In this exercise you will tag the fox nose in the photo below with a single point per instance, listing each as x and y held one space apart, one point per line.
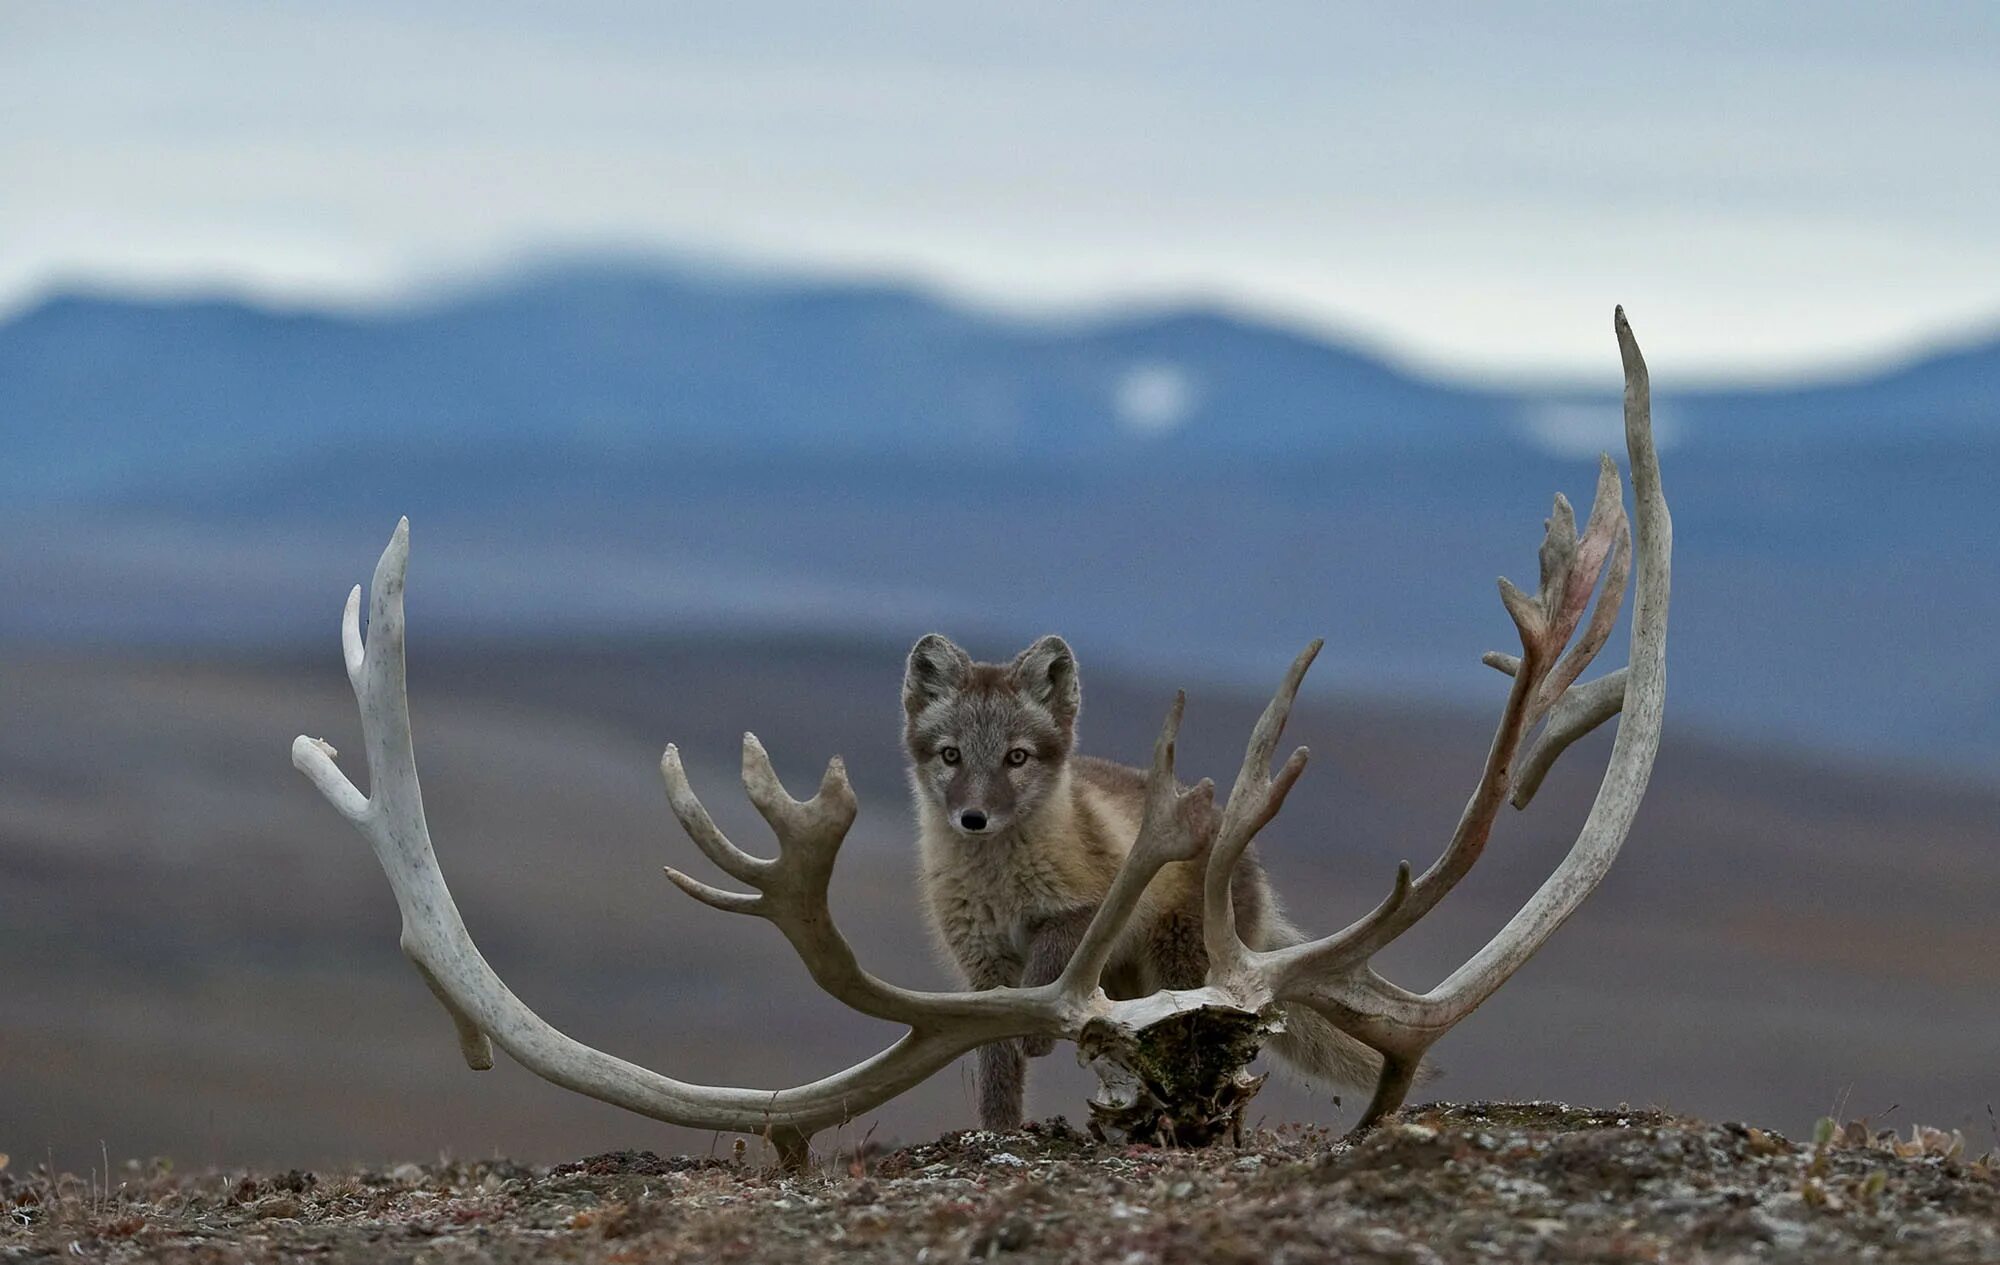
971 819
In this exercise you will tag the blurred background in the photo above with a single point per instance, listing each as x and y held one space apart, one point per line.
718 351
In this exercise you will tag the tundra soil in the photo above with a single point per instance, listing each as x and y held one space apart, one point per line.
1528 1182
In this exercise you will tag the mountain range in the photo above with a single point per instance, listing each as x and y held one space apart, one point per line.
614 445
108 396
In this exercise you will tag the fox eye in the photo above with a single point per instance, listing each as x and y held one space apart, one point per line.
948 754
1018 756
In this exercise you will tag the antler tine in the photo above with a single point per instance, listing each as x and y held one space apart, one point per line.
314 758
1399 893
1526 612
1573 712
351 649
835 790
811 829
382 673
701 828
1270 728
1570 565
1176 825
1179 830
1578 711
1161 785
385 596
809 835
1605 549
715 897
1253 801
1257 794
1589 550
1558 548
767 792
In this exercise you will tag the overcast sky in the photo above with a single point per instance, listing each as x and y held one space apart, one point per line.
1769 188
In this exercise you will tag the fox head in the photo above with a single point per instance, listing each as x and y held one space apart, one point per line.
988 742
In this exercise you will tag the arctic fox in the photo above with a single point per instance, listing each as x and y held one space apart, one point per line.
1019 838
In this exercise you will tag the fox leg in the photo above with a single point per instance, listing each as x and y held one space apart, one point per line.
1002 1071
1003 1085
1052 942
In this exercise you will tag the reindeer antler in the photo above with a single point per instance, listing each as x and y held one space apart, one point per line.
790 892
1331 975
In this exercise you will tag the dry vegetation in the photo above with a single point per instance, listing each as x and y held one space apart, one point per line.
1513 1182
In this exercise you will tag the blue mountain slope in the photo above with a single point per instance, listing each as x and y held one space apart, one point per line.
1190 490
1249 389
107 396
1947 399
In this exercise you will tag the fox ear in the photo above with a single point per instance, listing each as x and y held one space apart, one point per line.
936 668
1046 673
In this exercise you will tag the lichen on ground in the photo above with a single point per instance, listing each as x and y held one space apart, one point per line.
1531 1182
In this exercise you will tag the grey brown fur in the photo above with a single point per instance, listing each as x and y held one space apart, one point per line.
1019 838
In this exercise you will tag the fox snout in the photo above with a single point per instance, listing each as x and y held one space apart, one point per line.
981 799
971 820
979 806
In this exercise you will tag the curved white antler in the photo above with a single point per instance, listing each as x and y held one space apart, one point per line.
791 893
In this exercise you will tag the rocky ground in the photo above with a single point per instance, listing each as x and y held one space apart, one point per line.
1480 1181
